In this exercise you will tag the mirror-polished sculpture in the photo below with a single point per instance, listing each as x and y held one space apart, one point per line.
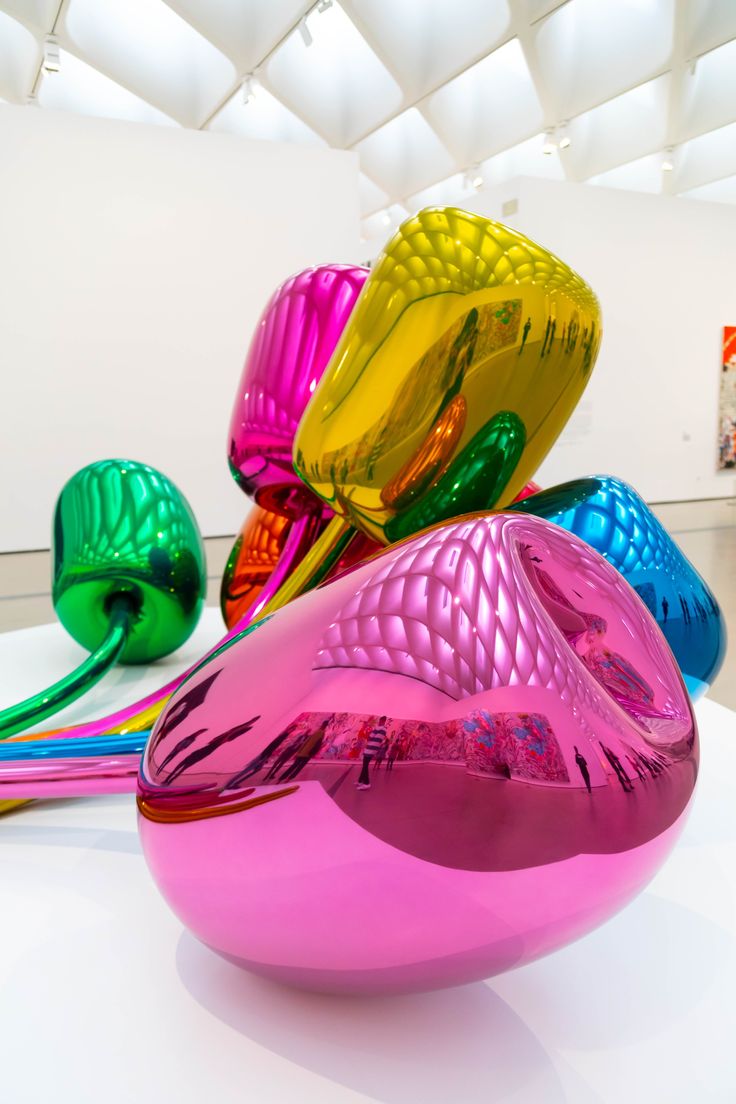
262 556
465 355
610 516
456 758
129 576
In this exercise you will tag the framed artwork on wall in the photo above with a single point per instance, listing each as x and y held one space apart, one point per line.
727 402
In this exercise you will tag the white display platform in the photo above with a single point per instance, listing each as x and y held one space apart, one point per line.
105 999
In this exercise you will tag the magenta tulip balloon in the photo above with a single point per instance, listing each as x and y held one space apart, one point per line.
459 756
290 349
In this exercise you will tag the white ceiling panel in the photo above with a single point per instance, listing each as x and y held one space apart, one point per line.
621 130
491 106
720 191
536 9
78 87
39 15
423 42
451 191
709 157
590 50
424 89
19 59
372 198
148 48
245 30
709 94
263 116
706 23
382 225
328 74
526 159
642 175
405 155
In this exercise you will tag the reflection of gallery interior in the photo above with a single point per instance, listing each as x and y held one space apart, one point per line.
366 521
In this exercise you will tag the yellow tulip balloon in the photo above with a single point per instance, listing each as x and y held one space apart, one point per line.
463 359
465 356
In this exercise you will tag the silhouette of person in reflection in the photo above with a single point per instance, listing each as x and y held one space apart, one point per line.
636 767
394 750
259 761
374 743
620 773
201 753
649 765
524 335
582 764
288 752
665 609
685 610
308 748
546 335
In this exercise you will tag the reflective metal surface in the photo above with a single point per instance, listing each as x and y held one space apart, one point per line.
123 528
267 549
463 359
66 690
457 757
610 516
292 344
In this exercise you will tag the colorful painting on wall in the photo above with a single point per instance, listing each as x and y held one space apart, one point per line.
727 402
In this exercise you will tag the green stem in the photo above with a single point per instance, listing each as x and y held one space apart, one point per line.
72 686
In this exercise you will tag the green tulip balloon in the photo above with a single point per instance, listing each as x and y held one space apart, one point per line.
129 576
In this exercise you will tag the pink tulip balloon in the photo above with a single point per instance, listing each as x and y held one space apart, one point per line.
292 344
458 757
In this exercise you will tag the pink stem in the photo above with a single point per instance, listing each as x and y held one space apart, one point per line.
70 777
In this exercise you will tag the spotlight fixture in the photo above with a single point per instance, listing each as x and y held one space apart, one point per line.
305 32
323 6
473 177
51 56
549 146
667 161
249 91
563 137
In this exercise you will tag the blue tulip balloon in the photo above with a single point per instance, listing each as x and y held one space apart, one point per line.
611 517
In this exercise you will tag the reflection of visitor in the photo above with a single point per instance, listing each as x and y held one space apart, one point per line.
583 768
636 767
306 751
685 610
546 336
260 760
393 752
285 755
621 774
665 609
372 747
525 334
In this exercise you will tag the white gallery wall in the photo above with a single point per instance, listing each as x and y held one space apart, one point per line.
663 269
134 262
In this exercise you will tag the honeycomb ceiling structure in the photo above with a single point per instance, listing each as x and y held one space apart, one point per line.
437 97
